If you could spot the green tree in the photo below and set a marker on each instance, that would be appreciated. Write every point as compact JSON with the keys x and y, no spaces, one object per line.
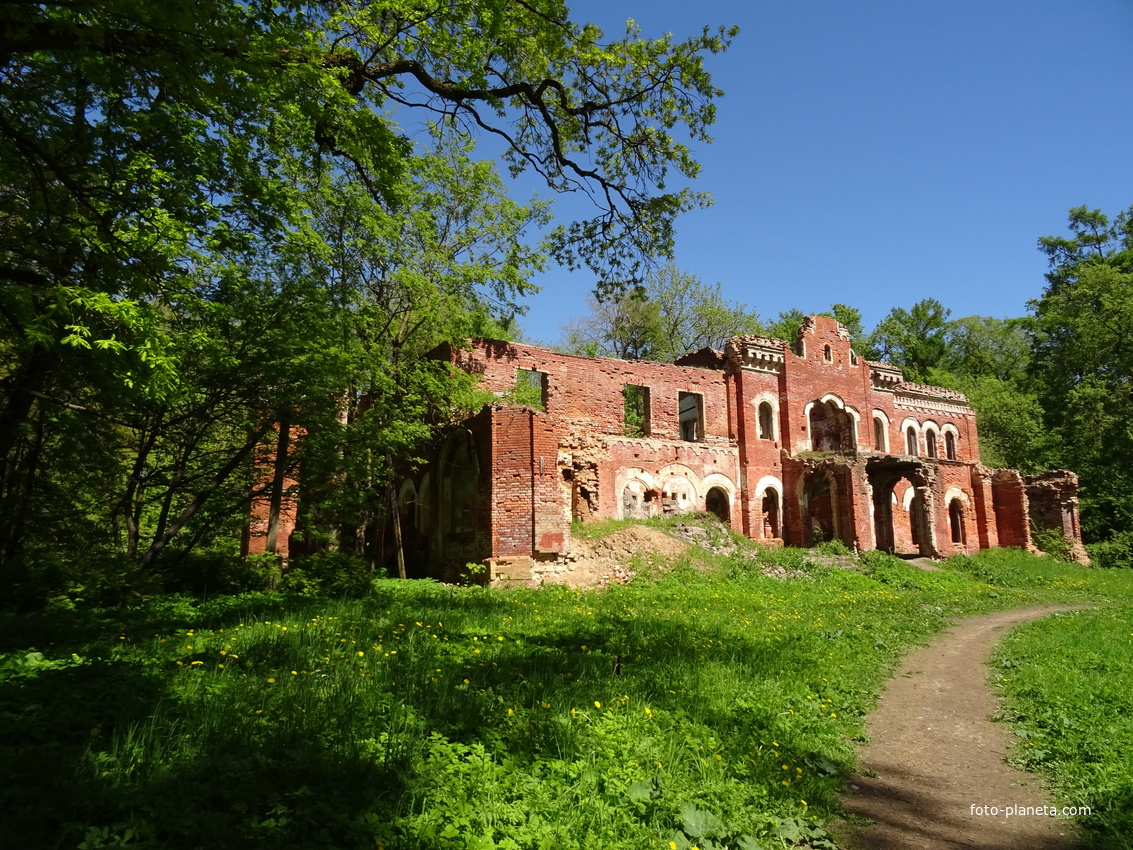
{"x":1082,"y":361}
{"x":987,"y":360}
{"x":149,"y":159}
{"x":787,"y":325}
{"x":694,"y":315}
{"x":676,"y":313}
{"x":982,"y":346}
{"x":627,"y":327}
{"x":916,"y":340}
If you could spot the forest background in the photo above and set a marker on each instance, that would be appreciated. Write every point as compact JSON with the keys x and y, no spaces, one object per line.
{"x":228,"y":218}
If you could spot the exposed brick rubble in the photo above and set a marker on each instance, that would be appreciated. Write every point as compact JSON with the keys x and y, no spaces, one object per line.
{"x":786,"y":443}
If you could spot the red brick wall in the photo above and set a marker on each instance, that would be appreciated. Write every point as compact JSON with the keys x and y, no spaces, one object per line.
{"x":512,"y":500}
{"x":586,"y":392}
{"x":1011,"y":509}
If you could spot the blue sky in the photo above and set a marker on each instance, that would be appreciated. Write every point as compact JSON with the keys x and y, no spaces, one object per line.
{"x":878,"y":153}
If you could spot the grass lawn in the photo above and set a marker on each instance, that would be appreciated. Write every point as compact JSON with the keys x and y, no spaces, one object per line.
{"x":711,"y":707}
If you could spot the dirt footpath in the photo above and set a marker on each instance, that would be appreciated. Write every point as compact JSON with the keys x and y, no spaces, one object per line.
{"x":933,"y":754}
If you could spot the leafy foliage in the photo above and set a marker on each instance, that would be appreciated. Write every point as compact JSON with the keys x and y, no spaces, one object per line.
{"x":673,"y":315}
{"x":1083,"y":361}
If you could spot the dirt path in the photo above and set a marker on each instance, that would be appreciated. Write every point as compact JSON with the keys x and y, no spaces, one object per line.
{"x":933,"y":754}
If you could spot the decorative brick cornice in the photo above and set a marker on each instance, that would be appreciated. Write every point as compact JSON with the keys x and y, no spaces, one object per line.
{"x":922,"y":397}
{"x":884,"y":377}
{"x":759,"y":353}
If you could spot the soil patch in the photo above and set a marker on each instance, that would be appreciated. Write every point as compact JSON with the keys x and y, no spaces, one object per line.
{"x":608,"y":560}
{"x":934,"y":753}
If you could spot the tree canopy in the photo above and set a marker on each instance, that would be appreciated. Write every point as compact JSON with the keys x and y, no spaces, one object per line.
{"x":221,"y":214}
{"x":673,"y":314}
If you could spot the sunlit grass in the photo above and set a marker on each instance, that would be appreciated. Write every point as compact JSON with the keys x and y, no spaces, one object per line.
{"x":718,"y":705}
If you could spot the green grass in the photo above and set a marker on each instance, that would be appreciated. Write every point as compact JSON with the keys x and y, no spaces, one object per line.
{"x":714,"y":709}
{"x":1067,"y":684}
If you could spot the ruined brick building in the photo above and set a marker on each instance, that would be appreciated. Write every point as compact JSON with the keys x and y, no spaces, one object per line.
{"x":786,"y":443}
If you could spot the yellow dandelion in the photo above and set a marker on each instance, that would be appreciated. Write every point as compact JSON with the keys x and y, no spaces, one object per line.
{"x":360,"y":653}
{"x":271,"y":681}
{"x":597,"y":704}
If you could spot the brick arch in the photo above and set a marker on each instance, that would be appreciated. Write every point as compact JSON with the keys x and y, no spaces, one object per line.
{"x":882,"y":417}
{"x":831,"y":402}
{"x":772,"y":401}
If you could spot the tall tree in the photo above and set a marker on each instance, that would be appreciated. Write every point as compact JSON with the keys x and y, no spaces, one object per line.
{"x":1082,"y":361}
{"x":787,"y":325}
{"x":694,"y":315}
{"x":915,"y":339}
{"x":673,"y":314}
{"x":142,"y":148}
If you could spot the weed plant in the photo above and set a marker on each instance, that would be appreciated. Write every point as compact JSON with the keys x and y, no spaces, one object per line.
{"x":713,"y":707}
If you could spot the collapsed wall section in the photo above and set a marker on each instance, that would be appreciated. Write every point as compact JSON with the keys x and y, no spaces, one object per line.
{"x":1053,"y":505}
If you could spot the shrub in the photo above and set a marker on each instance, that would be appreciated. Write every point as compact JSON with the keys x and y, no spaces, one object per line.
{"x":206,"y":571}
{"x":1117,"y":552}
{"x":1051,"y":542}
{"x":833,"y":547}
{"x":329,"y":574}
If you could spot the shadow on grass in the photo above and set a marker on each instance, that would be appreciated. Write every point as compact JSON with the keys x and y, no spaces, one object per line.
{"x":306,"y":780}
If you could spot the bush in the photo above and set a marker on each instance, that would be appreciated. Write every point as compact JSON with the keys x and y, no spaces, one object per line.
{"x":833,"y":547}
{"x":889,"y":569}
{"x":329,"y":574}
{"x":206,"y":571}
{"x":1115,"y":553}
{"x":1051,"y":542}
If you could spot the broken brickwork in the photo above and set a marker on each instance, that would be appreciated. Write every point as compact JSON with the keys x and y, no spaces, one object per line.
{"x":791,"y":443}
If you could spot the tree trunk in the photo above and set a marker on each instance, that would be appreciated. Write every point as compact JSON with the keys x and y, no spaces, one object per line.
{"x":202,"y":496}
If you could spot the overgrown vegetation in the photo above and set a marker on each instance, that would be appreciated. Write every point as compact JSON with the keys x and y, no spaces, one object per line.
{"x":714,"y":707}
{"x":1066,"y":682}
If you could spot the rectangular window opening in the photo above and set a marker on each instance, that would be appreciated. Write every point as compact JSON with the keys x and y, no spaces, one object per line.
{"x":635,"y":412}
{"x":530,"y":388}
{"x":690,"y":409}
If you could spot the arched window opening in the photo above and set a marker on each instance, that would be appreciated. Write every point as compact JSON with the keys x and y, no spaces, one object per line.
{"x":956,"y":521}
{"x":766,"y":421}
{"x":770,"y":514}
{"x":911,"y":441}
{"x":916,"y":512}
{"x":831,"y":428}
{"x":878,"y":434}
{"x":949,"y":445}
{"x":827,"y":354}
{"x":930,"y":443}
